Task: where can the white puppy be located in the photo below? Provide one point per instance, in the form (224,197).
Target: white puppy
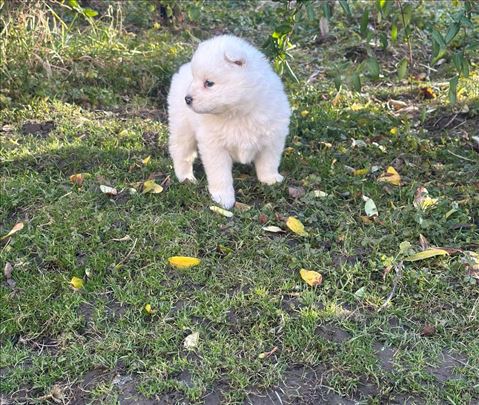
(230,105)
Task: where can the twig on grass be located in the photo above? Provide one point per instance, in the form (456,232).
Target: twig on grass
(398,269)
(461,157)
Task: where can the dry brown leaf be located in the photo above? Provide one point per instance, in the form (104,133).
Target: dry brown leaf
(296,192)
(15,229)
(77,179)
(262,218)
(242,207)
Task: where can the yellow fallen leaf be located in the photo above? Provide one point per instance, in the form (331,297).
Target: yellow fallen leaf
(77,178)
(393,131)
(422,200)
(311,277)
(150,186)
(391,176)
(360,172)
(183,262)
(148,309)
(221,211)
(296,226)
(146,160)
(77,282)
(426,254)
(304,113)
(15,229)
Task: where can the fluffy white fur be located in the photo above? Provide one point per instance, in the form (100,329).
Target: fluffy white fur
(243,117)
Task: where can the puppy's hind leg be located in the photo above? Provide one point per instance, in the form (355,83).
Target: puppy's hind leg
(183,150)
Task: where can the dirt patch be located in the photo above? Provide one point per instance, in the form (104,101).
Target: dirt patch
(385,356)
(38,129)
(129,395)
(448,361)
(300,385)
(333,333)
(115,309)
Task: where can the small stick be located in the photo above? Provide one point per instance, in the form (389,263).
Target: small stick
(462,157)
(398,268)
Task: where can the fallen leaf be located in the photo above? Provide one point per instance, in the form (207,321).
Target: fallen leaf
(360,172)
(221,211)
(150,186)
(320,194)
(7,271)
(397,104)
(146,160)
(428,330)
(426,254)
(391,176)
(423,242)
(422,200)
(358,143)
(366,220)
(267,354)
(125,238)
(242,207)
(296,226)
(304,113)
(183,262)
(393,131)
(77,283)
(296,192)
(427,93)
(262,218)
(15,229)
(148,309)
(108,190)
(77,179)
(312,278)
(273,229)
(370,207)
(191,341)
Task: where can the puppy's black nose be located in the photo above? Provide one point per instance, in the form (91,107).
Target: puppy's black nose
(188,100)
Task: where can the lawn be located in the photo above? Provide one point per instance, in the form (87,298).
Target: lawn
(379,329)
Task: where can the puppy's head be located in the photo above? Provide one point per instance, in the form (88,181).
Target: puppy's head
(222,78)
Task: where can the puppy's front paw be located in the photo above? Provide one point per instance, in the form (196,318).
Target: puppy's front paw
(224,198)
(186,177)
(271,179)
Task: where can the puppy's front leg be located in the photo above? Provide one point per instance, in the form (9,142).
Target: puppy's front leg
(266,163)
(218,165)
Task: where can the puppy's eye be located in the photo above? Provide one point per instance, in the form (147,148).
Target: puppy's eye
(207,83)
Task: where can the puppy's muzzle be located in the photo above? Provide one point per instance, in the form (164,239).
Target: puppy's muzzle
(188,100)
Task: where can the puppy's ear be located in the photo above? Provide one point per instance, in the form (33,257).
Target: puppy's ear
(235,57)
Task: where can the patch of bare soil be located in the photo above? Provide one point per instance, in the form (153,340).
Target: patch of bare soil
(300,385)
(385,356)
(333,333)
(38,129)
(445,370)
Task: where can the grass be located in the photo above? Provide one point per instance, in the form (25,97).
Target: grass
(334,342)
